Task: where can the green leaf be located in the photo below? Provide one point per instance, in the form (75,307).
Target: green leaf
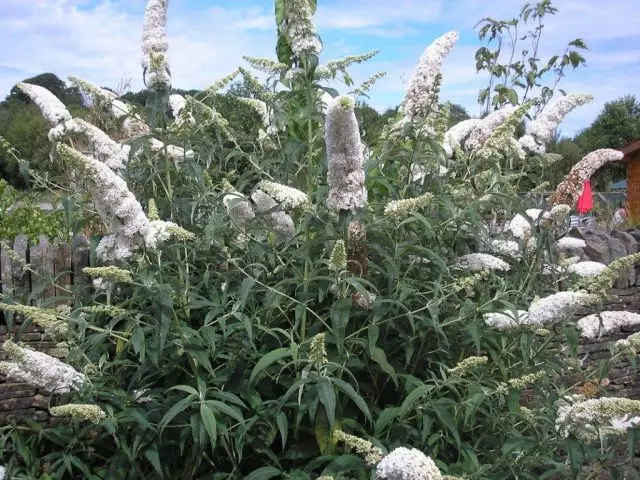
(339,318)
(385,418)
(279,12)
(209,422)
(327,396)
(176,409)
(446,418)
(268,360)
(413,397)
(512,96)
(381,359)
(154,459)
(283,425)
(357,399)
(226,409)
(263,473)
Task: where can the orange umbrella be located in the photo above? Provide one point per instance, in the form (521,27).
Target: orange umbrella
(585,202)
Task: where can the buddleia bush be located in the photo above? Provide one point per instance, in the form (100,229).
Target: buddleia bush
(304,307)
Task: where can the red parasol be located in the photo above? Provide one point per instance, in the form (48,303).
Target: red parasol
(585,202)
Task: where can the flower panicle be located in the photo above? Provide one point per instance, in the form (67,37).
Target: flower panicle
(92,413)
(372,454)
(110,273)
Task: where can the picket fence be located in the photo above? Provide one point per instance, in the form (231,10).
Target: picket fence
(44,273)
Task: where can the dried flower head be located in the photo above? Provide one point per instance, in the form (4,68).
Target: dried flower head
(345,156)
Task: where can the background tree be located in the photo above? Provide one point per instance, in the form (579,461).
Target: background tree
(617,124)
(22,126)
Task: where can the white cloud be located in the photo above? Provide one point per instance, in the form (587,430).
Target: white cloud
(99,40)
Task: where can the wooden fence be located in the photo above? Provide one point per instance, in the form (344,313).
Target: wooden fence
(44,273)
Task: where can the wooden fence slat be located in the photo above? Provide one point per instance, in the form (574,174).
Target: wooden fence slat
(42,263)
(20,276)
(62,269)
(6,276)
(80,258)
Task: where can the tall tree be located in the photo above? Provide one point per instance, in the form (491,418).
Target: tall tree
(616,125)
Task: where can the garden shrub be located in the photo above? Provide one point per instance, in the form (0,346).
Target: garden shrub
(311,308)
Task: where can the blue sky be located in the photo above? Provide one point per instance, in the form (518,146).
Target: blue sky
(100,41)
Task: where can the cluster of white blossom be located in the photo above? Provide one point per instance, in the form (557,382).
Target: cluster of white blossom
(407,464)
(400,209)
(540,131)
(570,243)
(281,223)
(345,156)
(133,125)
(507,248)
(481,262)
(586,269)
(39,369)
(3,472)
(298,27)
(155,45)
(597,324)
(555,307)
(128,226)
(501,142)
(559,212)
(454,137)
(181,115)
(287,197)
(571,187)
(519,226)
(52,109)
(505,320)
(260,107)
(113,154)
(93,413)
(597,417)
(177,154)
(421,97)
(483,130)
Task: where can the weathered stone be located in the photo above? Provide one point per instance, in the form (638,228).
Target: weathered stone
(12,387)
(16,394)
(9,404)
(597,249)
(631,246)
